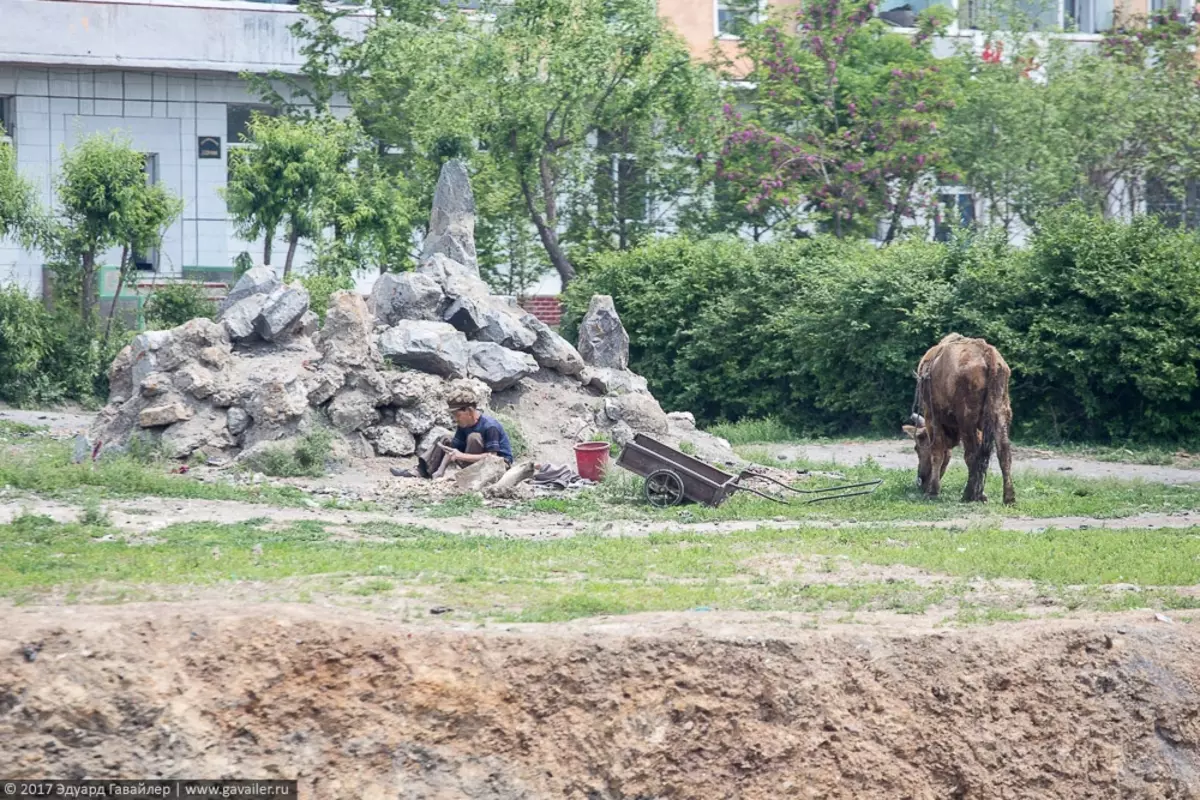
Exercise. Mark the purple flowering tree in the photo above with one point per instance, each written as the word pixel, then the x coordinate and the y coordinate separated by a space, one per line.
pixel 845 121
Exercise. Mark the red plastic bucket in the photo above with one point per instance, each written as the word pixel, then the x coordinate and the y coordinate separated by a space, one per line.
pixel 591 459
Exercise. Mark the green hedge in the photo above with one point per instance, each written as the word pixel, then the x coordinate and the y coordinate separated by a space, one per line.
pixel 1099 320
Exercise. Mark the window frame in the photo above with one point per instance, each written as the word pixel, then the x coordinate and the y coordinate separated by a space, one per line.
pixel 754 15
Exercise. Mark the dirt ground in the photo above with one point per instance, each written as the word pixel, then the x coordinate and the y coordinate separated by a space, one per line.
pixel 357 706
pixel 380 699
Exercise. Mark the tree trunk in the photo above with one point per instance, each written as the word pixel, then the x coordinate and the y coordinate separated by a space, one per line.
pixel 293 238
pixel 112 309
pixel 549 238
pixel 270 234
pixel 87 294
pixel 897 213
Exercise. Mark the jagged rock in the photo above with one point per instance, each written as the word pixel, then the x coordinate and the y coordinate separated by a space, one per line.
pixel 551 350
pixel 307 325
pixel 497 366
pixel 144 355
pixel 613 381
pixel 196 381
pixel 275 402
pixel 352 410
pixel 411 388
pixel 429 346
pixel 284 307
pixel 259 280
pixel 409 295
pixel 214 356
pixel 422 418
pixel 455 279
pixel 120 375
pixel 465 314
pixel 392 441
pixel 482 473
pixel 237 420
pixel 504 328
pixel 154 384
pixel 207 429
pixel 603 341
pixel 622 434
pixel 683 420
pixel 452 223
pixel 372 384
pixel 325 384
pixel 641 411
pixel 349 332
pixel 239 319
pixel 165 414
pixel 429 440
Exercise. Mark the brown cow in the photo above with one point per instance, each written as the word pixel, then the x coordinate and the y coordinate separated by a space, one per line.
pixel 962 394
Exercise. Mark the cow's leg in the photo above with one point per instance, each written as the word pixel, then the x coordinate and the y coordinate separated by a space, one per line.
pixel 1004 456
pixel 976 468
pixel 939 457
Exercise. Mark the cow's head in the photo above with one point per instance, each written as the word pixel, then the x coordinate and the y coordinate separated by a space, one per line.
pixel 924 443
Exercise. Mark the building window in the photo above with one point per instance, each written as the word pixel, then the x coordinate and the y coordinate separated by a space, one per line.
pixel 237 122
pixel 957 211
pixel 733 17
pixel 1176 209
pixel 7 119
pixel 148 261
pixel 1088 16
pixel 1038 15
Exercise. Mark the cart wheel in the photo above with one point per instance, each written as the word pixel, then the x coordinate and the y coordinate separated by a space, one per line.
pixel 664 488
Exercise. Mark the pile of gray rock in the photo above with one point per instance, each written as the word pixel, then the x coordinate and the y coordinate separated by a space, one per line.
pixel 379 368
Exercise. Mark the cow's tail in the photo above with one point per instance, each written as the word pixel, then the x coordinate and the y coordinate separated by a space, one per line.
pixel 993 391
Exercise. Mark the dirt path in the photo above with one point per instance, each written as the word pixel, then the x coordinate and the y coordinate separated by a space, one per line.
pixel 898 454
pixel 356 705
pixel 148 515
pixel 59 422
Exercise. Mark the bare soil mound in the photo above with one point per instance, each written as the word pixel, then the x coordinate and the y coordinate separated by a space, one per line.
pixel 359 707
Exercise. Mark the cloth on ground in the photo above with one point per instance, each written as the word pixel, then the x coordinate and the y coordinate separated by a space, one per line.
pixel 559 476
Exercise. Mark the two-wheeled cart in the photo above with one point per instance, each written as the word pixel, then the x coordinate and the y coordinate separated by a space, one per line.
pixel 673 476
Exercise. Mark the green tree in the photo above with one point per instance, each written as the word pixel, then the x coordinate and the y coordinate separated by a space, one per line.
pixel 18 210
pixel 281 182
pixel 579 91
pixel 104 202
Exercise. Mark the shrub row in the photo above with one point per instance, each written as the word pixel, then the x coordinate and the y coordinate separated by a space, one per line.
pixel 1099 320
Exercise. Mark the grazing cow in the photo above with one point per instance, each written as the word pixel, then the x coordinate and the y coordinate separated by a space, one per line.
pixel 962 395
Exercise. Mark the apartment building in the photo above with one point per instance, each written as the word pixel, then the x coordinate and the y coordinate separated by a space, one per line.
pixel 163 73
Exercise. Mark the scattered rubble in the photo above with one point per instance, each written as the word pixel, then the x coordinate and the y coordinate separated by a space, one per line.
pixel 378 370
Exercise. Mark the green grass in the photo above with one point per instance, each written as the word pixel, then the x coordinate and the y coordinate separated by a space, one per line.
pixel 1039 495
pixel 754 431
pixel 307 456
pixel 804 570
pixel 46 469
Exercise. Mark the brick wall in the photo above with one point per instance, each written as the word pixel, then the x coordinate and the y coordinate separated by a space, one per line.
pixel 544 307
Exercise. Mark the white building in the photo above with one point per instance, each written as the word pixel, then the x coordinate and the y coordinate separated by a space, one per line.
pixel 163 73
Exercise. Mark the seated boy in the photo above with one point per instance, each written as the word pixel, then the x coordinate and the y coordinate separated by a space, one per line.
pixel 477 435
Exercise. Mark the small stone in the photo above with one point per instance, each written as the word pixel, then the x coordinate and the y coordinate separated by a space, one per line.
pixel 161 416
pixel 237 420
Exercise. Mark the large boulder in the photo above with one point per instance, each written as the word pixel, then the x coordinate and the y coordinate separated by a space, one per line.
pixel 390 440
pixel 120 376
pixel 429 346
pixel 347 339
pixel 208 429
pixel 455 279
pixel 408 295
pixel 259 280
pixel 240 318
pixel 352 410
pixel 283 309
pixel 641 412
pixel 452 223
pixel 466 314
pixel 551 350
pixel 501 326
pixel 497 366
pixel 613 381
pixel 160 416
pixel 603 341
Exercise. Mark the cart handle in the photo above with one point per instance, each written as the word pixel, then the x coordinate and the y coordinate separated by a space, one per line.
pixel 751 474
